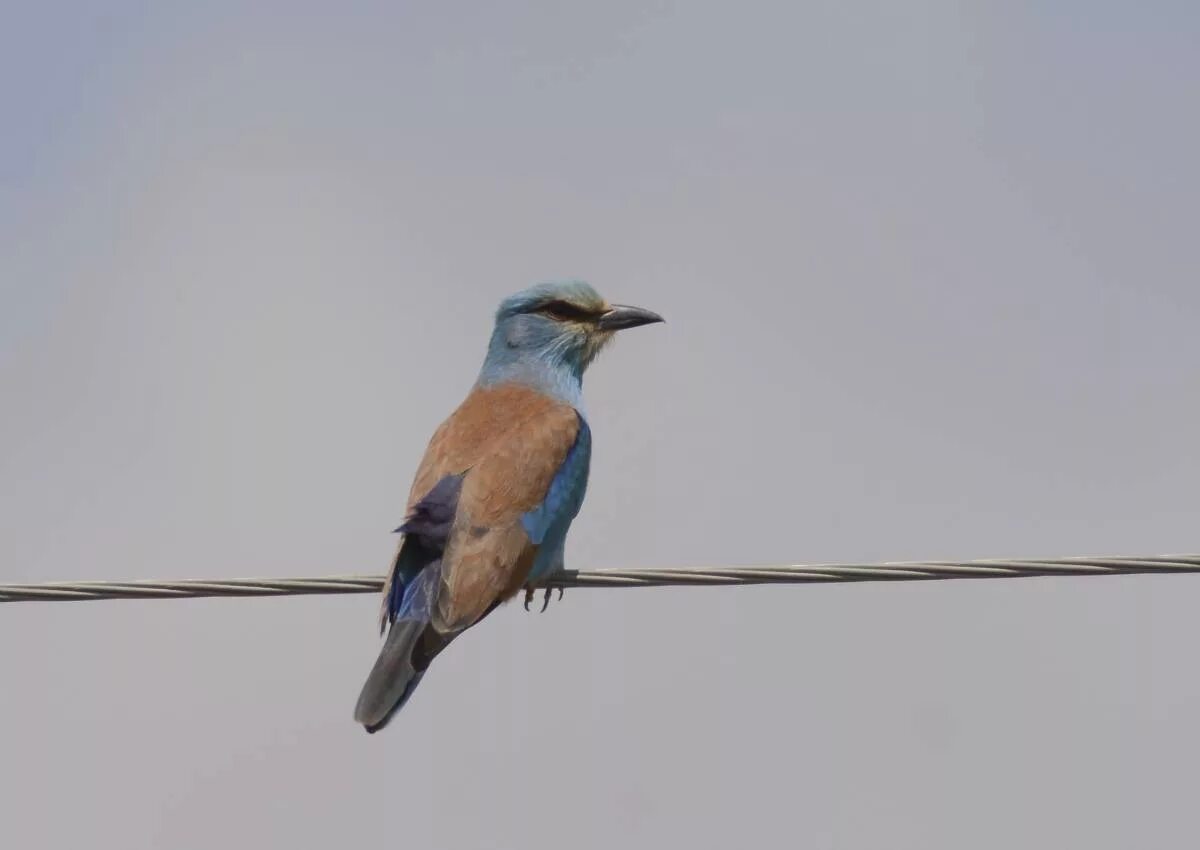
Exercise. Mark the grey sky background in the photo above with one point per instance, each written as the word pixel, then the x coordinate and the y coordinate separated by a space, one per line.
pixel 930 272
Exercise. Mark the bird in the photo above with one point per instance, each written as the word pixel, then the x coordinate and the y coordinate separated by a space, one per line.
pixel 501 481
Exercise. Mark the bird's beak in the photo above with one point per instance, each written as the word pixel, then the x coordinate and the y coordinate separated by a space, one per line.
pixel 620 316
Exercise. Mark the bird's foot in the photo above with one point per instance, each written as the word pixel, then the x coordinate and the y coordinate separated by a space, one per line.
pixel 529 591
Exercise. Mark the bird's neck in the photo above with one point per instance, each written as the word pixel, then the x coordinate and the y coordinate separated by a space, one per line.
pixel 556 377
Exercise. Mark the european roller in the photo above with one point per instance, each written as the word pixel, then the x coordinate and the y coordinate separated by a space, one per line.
pixel 498 488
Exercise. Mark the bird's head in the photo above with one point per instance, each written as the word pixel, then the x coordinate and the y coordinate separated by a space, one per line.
pixel 563 323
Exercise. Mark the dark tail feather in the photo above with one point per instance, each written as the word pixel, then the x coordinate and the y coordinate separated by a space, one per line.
pixel 393 678
pixel 410 645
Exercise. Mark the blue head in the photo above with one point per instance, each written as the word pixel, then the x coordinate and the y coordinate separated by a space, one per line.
pixel 547 335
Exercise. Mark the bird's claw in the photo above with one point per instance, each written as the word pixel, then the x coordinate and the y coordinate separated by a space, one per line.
pixel 529 591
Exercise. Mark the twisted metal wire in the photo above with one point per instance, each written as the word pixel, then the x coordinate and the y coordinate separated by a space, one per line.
pixel 721 576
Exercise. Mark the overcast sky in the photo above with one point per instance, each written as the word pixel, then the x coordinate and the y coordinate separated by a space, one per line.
pixel 930 275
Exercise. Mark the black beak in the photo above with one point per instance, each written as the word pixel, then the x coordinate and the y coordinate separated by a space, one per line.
pixel 621 316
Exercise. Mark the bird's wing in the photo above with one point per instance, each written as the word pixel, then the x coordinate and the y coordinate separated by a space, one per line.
pixel 516 461
pixel 547 524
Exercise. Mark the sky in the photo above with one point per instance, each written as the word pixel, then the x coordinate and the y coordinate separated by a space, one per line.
pixel 930 277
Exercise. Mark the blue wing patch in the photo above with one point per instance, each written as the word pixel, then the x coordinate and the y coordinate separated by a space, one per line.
pixel 426 531
pixel 547 524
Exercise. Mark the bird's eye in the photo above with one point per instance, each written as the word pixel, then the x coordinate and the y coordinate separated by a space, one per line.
pixel 564 312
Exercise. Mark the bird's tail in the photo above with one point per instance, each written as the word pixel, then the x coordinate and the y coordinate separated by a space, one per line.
pixel 411 644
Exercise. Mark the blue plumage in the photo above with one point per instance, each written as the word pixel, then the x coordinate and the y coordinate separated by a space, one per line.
pixel 426 530
pixel 547 524
pixel 532 346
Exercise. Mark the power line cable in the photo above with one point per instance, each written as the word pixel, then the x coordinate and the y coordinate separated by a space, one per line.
pixel 719 576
